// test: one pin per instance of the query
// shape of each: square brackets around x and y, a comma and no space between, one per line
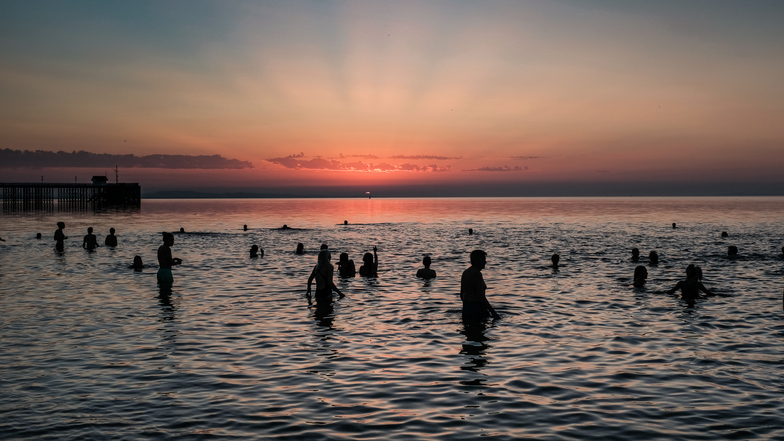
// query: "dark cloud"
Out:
[505,168]
[41,159]
[359,156]
[430,157]
[299,163]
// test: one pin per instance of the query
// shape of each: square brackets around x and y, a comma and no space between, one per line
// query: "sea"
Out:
[91,349]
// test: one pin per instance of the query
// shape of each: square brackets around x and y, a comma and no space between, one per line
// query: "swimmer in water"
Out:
[635,255]
[137,263]
[111,239]
[90,242]
[691,287]
[426,272]
[473,289]
[555,258]
[640,276]
[254,251]
[300,249]
[166,261]
[346,266]
[322,273]
[59,236]
[653,258]
[370,267]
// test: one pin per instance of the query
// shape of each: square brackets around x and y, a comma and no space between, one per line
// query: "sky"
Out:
[400,98]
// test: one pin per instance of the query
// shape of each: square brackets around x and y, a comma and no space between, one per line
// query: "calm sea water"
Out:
[90,349]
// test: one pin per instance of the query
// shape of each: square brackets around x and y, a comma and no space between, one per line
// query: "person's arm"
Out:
[310,280]
[705,290]
[84,242]
[675,288]
[332,283]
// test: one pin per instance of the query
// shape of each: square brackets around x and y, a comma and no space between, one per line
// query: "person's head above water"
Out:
[324,246]
[343,257]
[254,251]
[426,261]
[89,230]
[367,258]
[61,225]
[555,259]
[640,272]
[724,234]
[691,271]
[478,258]
[137,262]
[38,235]
[732,250]
[168,238]
[300,248]
[470,231]
[112,230]
[324,257]
[653,256]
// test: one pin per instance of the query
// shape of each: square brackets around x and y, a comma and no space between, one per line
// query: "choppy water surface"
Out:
[90,349]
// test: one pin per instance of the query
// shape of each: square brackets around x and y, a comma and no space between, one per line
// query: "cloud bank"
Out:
[42,159]
[505,168]
[298,162]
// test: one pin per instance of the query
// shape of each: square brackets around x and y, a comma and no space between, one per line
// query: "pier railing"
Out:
[40,196]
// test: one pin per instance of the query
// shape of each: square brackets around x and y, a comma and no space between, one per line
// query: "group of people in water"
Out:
[472,285]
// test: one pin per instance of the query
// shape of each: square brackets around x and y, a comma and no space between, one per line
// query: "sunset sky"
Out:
[399,98]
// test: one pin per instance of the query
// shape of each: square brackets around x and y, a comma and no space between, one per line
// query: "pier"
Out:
[95,196]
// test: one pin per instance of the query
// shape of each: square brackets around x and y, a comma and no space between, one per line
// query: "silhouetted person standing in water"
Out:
[59,237]
[90,242]
[473,288]
[346,266]
[426,272]
[370,267]
[111,239]
[640,276]
[166,261]
[691,287]
[322,273]
[555,259]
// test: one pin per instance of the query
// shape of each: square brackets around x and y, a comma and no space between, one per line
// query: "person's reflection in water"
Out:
[474,348]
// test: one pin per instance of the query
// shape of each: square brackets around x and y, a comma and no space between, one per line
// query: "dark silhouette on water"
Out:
[732,251]
[346,266]
[324,246]
[653,258]
[555,258]
[182,230]
[38,235]
[244,228]
[300,249]
[370,267]
[473,289]
[111,239]
[674,226]
[345,222]
[90,242]
[470,231]
[254,251]
[59,237]
[691,287]
[724,234]
[426,272]
[640,276]
[322,273]
[166,261]
[635,255]
[137,264]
